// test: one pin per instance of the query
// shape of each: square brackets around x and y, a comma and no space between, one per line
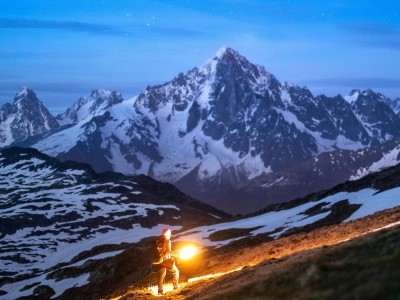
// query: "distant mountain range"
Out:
[227,133]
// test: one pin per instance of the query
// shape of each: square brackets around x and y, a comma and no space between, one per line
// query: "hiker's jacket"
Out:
[167,252]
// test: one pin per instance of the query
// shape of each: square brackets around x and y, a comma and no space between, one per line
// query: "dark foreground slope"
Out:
[270,253]
[355,260]
[323,246]
[364,268]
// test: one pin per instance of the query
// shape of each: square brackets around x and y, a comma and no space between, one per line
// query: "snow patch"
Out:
[275,223]
[352,97]
[389,159]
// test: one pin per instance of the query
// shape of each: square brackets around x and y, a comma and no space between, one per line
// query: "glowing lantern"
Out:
[187,252]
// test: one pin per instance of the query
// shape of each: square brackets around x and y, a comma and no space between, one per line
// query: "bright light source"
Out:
[187,252]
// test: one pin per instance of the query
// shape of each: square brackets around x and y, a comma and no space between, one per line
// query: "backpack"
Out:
[158,251]
[158,254]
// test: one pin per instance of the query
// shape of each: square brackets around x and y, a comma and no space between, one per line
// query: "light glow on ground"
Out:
[168,287]
[214,275]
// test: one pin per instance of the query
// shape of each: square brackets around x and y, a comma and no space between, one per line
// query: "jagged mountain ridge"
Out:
[97,102]
[219,126]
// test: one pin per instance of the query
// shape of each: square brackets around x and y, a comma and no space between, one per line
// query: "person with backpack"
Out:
[166,260]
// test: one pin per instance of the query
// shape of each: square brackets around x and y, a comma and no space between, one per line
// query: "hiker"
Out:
[168,262]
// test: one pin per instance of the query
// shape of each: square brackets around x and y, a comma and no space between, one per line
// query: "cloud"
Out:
[7,23]
[95,28]
[174,31]
[374,34]
[21,55]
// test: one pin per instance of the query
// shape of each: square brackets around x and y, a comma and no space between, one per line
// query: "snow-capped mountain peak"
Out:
[221,51]
[25,97]
[25,118]
[24,92]
[395,105]
[353,96]
[94,104]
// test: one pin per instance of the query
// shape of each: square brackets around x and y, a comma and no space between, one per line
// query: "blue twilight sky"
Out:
[66,48]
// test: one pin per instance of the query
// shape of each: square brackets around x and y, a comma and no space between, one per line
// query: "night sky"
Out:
[64,49]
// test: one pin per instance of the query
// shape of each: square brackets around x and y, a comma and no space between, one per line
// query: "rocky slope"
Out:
[55,217]
[352,260]
[340,262]
[328,259]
